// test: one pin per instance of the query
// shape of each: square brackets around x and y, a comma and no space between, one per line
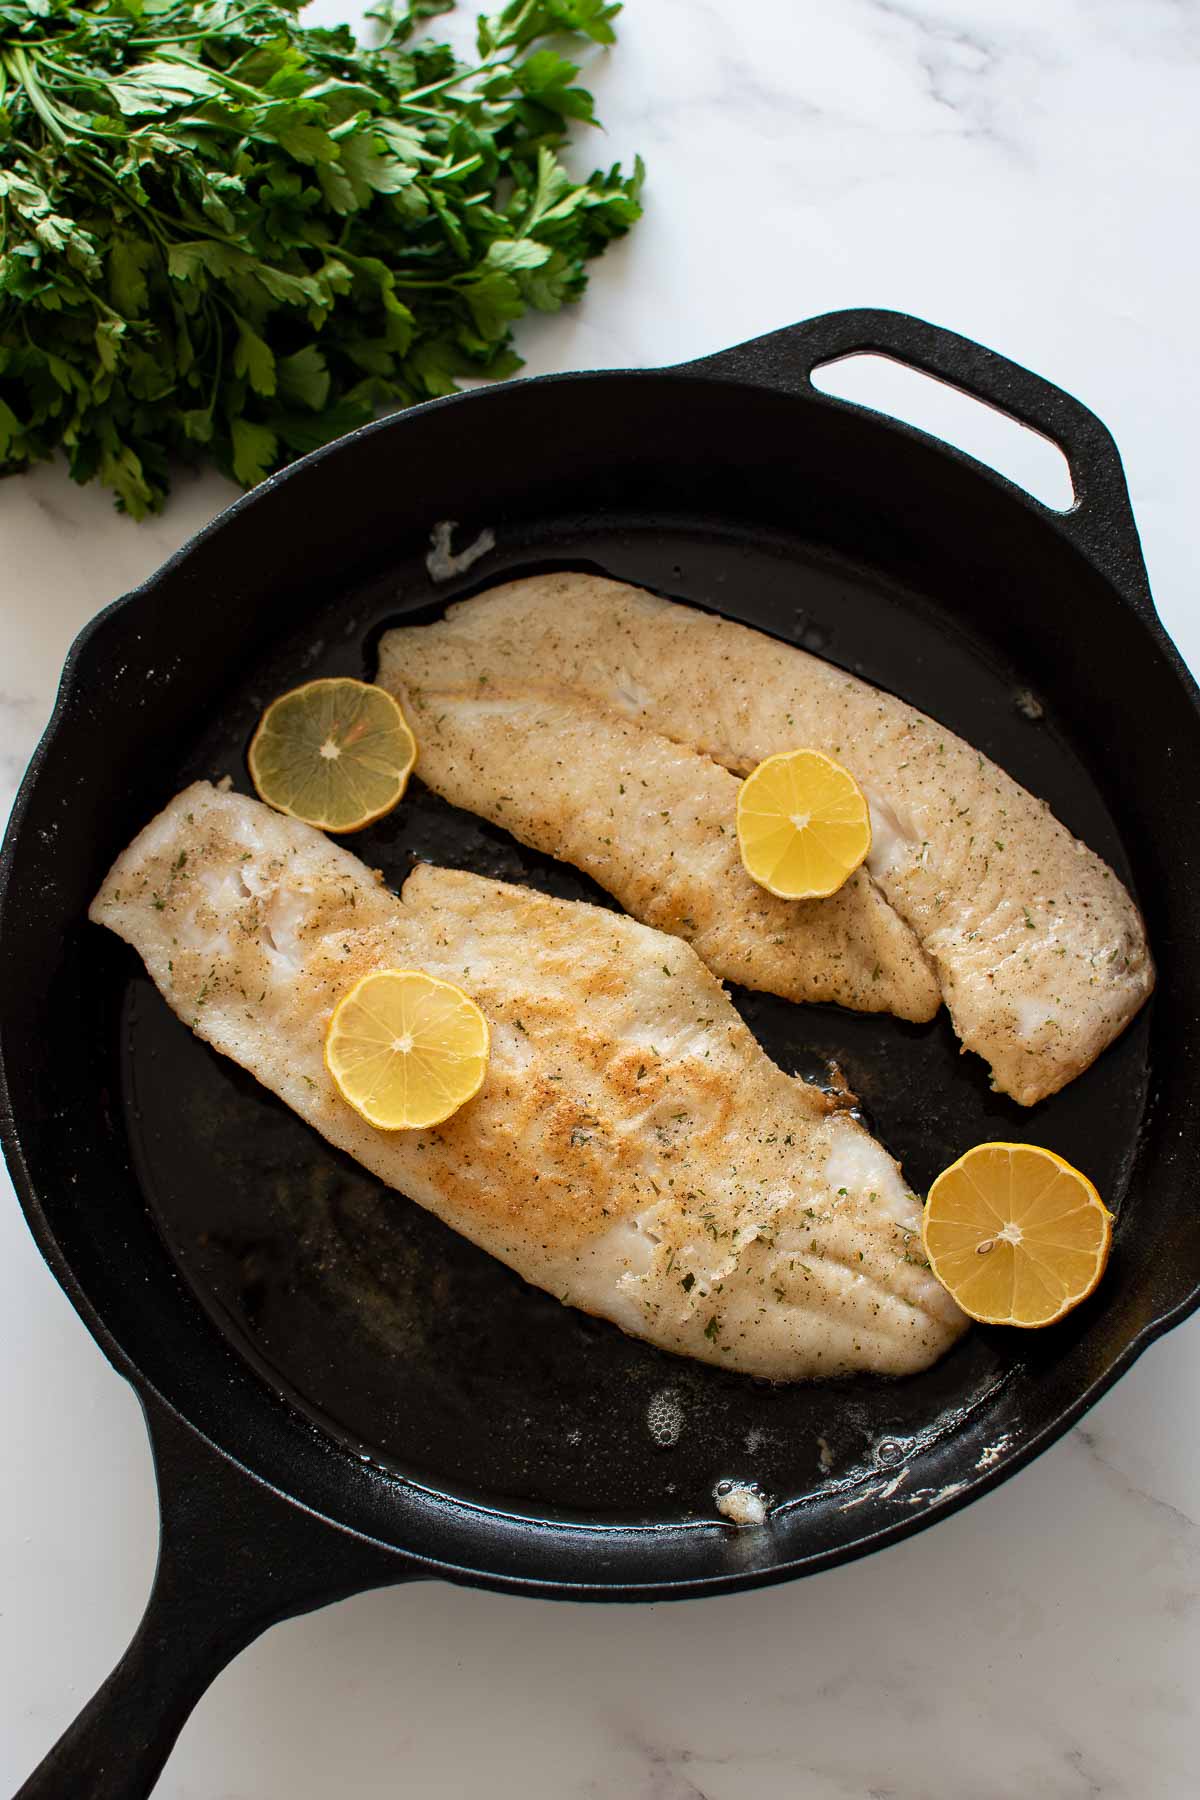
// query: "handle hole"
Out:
[1034,462]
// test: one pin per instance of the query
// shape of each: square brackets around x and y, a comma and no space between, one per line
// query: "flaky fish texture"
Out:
[654,823]
[632,1150]
[1039,951]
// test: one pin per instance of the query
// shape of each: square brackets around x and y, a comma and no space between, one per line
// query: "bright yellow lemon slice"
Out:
[405,1049]
[336,753]
[1016,1234]
[803,825]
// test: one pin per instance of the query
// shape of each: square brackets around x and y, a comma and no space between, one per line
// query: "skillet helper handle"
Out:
[234,1558]
[1100,522]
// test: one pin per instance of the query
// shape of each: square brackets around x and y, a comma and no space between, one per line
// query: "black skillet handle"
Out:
[1101,520]
[234,1557]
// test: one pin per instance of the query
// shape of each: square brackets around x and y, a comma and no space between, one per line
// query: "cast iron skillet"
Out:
[340,1393]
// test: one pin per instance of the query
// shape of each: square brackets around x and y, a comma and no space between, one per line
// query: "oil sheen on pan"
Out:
[410,1344]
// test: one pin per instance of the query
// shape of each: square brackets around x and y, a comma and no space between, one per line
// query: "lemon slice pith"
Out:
[336,753]
[803,824]
[405,1049]
[1016,1234]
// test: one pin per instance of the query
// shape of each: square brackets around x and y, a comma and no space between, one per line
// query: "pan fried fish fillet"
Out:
[1039,951]
[655,824]
[632,1149]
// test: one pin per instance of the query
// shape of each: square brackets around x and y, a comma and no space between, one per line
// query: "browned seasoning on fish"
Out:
[654,823]
[1038,950]
[632,1150]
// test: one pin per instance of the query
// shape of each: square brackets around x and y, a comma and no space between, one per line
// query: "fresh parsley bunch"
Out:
[225,235]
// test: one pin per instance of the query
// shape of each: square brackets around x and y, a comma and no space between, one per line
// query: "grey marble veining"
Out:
[1024,171]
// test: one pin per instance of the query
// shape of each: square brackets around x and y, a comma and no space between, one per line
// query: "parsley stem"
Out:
[73,81]
[255,95]
[22,68]
[188,37]
[512,36]
[438,87]
[426,112]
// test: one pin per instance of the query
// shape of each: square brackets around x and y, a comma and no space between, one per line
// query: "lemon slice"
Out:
[336,753]
[1016,1234]
[406,1049]
[803,825]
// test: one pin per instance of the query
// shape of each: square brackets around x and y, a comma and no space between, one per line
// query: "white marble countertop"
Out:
[1022,170]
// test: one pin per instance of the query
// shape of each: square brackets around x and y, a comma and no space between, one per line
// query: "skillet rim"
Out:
[727,368]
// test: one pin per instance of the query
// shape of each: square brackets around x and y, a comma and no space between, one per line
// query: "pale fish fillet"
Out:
[632,1150]
[654,823]
[1040,953]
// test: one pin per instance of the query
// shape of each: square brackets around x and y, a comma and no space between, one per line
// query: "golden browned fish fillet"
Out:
[1039,951]
[632,1150]
[654,823]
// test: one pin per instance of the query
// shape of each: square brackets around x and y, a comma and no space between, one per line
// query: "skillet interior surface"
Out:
[330,1335]
[425,1354]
